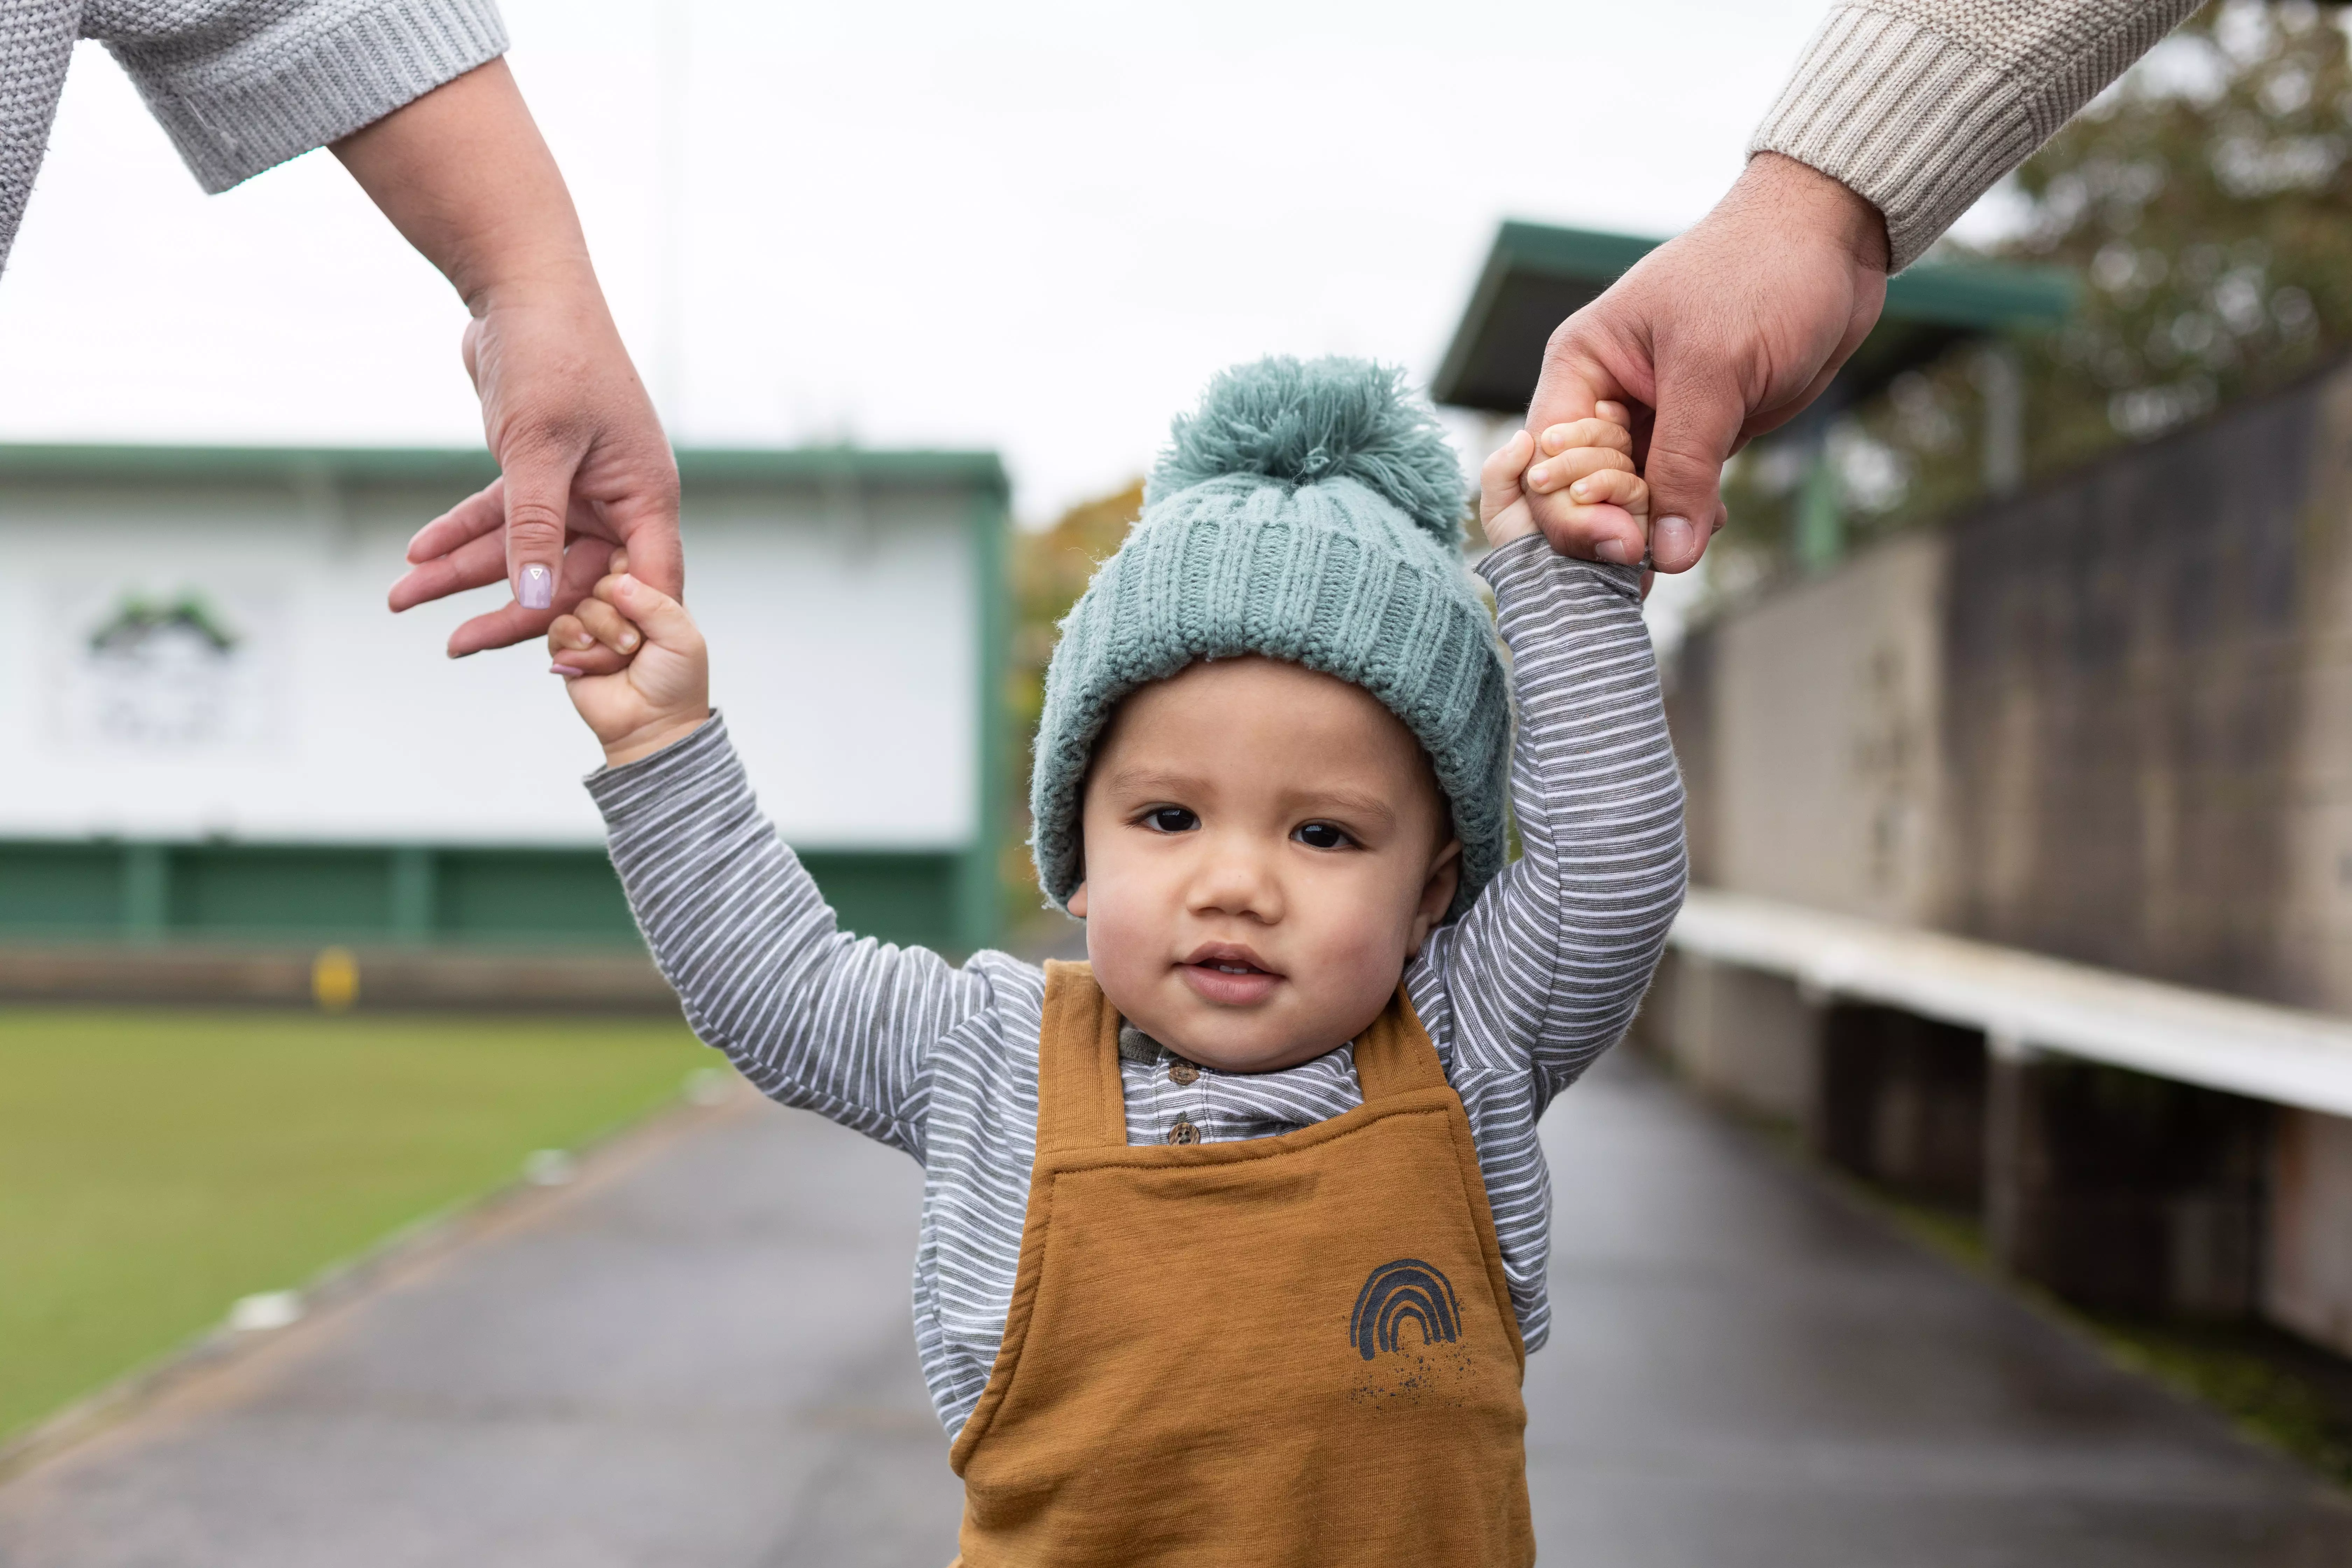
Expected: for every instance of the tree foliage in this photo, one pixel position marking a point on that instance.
(1049, 570)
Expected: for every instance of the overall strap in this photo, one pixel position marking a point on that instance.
(1080, 1101)
(1395, 1056)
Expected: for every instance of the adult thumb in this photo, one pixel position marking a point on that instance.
(539, 497)
(1697, 426)
(1574, 377)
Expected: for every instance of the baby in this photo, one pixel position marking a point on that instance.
(1235, 1237)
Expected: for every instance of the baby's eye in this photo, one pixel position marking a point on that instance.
(1321, 836)
(1171, 819)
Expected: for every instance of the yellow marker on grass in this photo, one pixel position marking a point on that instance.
(335, 979)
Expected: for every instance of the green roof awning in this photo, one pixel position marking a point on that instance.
(699, 468)
(1536, 276)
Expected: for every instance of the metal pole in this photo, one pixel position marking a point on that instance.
(675, 52)
(2003, 383)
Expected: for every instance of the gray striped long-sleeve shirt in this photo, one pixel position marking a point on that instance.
(1520, 994)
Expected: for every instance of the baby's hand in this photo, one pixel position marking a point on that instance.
(662, 694)
(1592, 459)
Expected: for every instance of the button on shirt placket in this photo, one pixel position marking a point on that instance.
(1181, 1075)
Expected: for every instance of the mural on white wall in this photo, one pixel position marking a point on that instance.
(188, 671)
(229, 670)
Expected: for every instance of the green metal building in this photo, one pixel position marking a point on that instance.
(219, 734)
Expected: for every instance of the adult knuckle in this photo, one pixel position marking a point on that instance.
(534, 522)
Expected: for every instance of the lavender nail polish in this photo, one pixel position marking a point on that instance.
(566, 670)
(538, 591)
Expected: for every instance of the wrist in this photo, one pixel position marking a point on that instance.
(1800, 198)
(558, 278)
(653, 735)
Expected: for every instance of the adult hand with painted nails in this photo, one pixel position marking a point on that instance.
(463, 172)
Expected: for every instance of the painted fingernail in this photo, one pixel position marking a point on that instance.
(538, 589)
(566, 670)
(1670, 537)
(1612, 551)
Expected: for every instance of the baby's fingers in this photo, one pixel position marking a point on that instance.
(608, 626)
(661, 619)
(1612, 486)
(565, 637)
(1498, 476)
(1604, 432)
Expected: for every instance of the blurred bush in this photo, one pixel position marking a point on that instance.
(1050, 570)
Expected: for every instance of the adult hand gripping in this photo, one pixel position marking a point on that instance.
(1724, 332)
(465, 176)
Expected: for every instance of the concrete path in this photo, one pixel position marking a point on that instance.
(699, 1356)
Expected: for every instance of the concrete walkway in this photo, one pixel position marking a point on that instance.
(698, 1355)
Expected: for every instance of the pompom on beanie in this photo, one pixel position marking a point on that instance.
(1309, 511)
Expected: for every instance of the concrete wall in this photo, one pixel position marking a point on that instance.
(1821, 774)
(1746, 1039)
(2124, 652)
(2312, 937)
(2111, 720)
(2308, 1283)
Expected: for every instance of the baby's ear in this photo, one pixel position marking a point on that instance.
(1437, 892)
(1077, 902)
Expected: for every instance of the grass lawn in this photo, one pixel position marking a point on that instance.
(157, 1165)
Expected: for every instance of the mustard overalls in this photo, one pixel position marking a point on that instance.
(1283, 1351)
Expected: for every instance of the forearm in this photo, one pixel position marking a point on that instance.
(1567, 937)
(465, 176)
(812, 1015)
(1919, 106)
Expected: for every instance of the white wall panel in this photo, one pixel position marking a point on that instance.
(843, 637)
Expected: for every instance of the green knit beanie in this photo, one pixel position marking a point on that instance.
(1311, 512)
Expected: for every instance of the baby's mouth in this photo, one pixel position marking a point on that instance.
(1229, 974)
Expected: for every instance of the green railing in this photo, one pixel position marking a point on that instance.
(78, 891)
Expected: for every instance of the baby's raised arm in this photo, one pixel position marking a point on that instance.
(1557, 949)
(813, 1015)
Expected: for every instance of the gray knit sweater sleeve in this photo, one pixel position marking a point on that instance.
(241, 84)
(238, 85)
(1919, 106)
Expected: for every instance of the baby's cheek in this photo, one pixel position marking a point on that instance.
(1356, 969)
(1126, 939)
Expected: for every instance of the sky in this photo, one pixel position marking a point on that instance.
(1032, 227)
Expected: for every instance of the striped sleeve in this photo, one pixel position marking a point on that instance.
(1548, 967)
(813, 1015)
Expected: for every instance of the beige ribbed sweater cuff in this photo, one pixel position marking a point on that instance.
(1919, 106)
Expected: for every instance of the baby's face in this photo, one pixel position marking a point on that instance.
(1265, 848)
